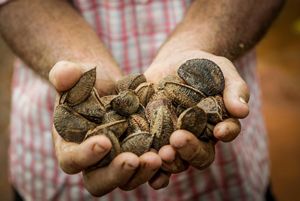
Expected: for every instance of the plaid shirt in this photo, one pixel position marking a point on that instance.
(133, 31)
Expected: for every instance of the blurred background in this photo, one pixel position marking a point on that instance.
(279, 70)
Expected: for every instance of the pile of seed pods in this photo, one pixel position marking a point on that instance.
(143, 115)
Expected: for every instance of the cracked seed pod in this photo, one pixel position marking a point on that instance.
(212, 109)
(144, 91)
(91, 108)
(162, 125)
(115, 149)
(208, 134)
(111, 116)
(126, 103)
(222, 105)
(170, 78)
(204, 75)
(105, 101)
(137, 143)
(117, 127)
(71, 126)
(81, 90)
(183, 94)
(130, 82)
(194, 120)
(137, 123)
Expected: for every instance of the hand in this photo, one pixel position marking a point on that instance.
(127, 170)
(236, 96)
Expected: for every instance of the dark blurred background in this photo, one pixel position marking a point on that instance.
(279, 70)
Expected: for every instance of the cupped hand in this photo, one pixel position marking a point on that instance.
(126, 171)
(236, 95)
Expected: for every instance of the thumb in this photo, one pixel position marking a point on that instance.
(236, 92)
(64, 75)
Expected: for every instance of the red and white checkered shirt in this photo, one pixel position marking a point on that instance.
(132, 30)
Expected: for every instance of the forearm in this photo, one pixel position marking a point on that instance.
(45, 32)
(224, 27)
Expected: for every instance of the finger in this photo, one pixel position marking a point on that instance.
(149, 164)
(64, 75)
(197, 153)
(171, 160)
(74, 157)
(101, 181)
(227, 130)
(159, 180)
(236, 92)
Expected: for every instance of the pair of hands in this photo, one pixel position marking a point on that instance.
(127, 171)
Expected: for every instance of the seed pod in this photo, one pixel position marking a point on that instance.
(144, 91)
(137, 123)
(71, 126)
(126, 103)
(182, 94)
(91, 108)
(170, 78)
(162, 125)
(111, 116)
(82, 89)
(115, 149)
(222, 105)
(117, 127)
(137, 143)
(212, 109)
(130, 82)
(194, 120)
(105, 101)
(153, 105)
(208, 134)
(179, 109)
(204, 75)
(158, 95)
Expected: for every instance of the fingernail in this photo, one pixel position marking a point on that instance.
(242, 100)
(128, 165)
(98, 149)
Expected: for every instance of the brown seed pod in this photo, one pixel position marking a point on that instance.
(170, 78)
(111, 116)
(91, 108)
(82, 89)
(117, 127)
(194, 120)
(158, 95)
(162, 125)
(204, 75)
(182, 94)
(208, 134)
(179, 109)
(126, 103)
(137, 123)
(144, 91)
(137, 143)
(222, 105)
(71, 126)
(212, 109)
(105, 101)
(153, 105)
(130, 82)
(115, 149)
